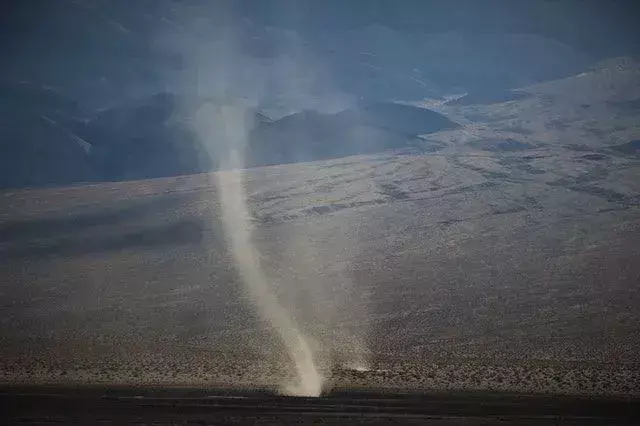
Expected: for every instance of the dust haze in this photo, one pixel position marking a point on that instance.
(290, 290)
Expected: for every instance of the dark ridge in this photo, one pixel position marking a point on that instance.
(405, 119)
(310, 135)
(304, 136)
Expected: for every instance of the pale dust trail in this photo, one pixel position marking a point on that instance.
(231, 127)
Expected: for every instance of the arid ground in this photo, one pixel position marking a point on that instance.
(502, 255)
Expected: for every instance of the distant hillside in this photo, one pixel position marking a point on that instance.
(309, 135)
(593, 110)
(381, 63)
(47, 140)
(148, 138)
(404, 119)
(37, 143)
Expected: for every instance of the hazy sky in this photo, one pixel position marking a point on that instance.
(81, 43)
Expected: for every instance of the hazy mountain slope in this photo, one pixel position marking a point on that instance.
(380, 63)
(367, 128)
(145, 139)
(591, 110)
(38, 144)
(153, 137)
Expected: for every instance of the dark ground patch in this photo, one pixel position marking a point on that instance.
(427, 145)
(522, 164)
(393, 192)
(183, 232)
(41, 228)
(213, 406)
(632, 106)
(528, 168)
(578, 148)
(504, 145)
(583, 185)
(631, 148)
(594, 157)
(515, 129)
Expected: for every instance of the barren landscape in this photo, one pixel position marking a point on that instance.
(501, 255)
